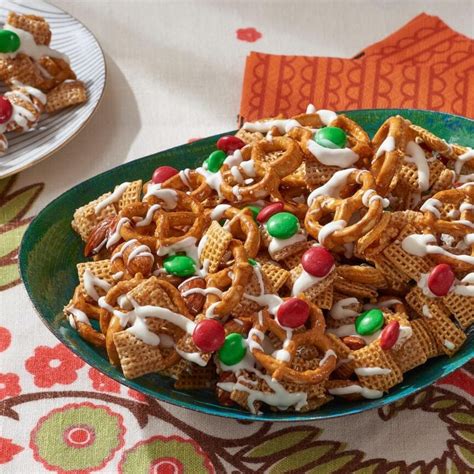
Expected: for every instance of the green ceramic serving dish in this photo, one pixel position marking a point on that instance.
(50, 250)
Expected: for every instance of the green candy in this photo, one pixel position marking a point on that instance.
(233, 350)
(215, 160)
(282, 225)
(255, 210)
(9, 41)
(331, 137)
(369, 322)
(252, 262)
(179, 265)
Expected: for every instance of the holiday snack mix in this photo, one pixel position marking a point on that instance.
(40, 78)
(300, 262)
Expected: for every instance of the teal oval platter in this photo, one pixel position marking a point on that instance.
(50, 250)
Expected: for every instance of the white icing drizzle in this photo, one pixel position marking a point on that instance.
(416, 155)
(117, 276)
(370, 371)
(349, 330)
(432, 205)
(306, 280)
(185, 178)
(387, 146)
(329, 228)
(187, 245)
(114, 197)
(202, 291)
(115, 236)
(365, 392)
(341, 310)
(339, 157)
(424, 244)
(29, 47)
(283, 125)
(333, 187)
(249, 168)
(236, 192)
(382, 304)
(462, 159)
(449, 345)
(404, 334)
(237, 175)
(466, 286)
(371, 195)
(277, 245)
(423, 285)
(218, 212)
(140, 251)
(326, 116)
(194, 357)
(327, 354)
(168, 196)
(426, 311)
(149, 216)
(91, 282)
(77, 315)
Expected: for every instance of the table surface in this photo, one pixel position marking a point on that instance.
(174, 73)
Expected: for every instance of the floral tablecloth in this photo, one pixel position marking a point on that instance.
(175, 71)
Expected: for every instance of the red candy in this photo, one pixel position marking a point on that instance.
(229, 144)
(163, 173)
(293, 313)
(268, 212)
(389, 335)
(6, 109)
(317, 261)
(209, 335)
(441, 279)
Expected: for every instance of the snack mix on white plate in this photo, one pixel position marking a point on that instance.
(299, 262)
(40, 78)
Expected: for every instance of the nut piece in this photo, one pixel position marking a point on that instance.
(194, 301)
(354, 342)
(98, 236)
(133, 257)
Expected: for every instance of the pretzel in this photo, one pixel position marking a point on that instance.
(314, 336)
(189, 180)
(343, 210)
(386, 165)
(243, 226)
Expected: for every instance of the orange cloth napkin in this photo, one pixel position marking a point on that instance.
(423, 65)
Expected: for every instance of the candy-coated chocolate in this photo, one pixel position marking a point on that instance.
(209, 335)
(317, 261)
(331, 137)
(215, 160)
(179, 265)
(389, 335)
(255, 210)
(9, 41)
(441, 279)
(283, 225)
(233, 350)
(229, 144)
(163, 173)
(293, 313)
(252, 262)
(268, 211)
(6, 109)
(369, 322)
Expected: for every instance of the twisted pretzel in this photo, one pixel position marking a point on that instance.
(314, 336)
(243, 226)
(343, 210)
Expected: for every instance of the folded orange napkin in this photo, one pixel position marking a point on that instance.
(423, 65)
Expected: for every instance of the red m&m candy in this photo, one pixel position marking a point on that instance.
(209, 335)
(6, 109)
(163, 173)
(229, 144)
(317, 261)
(293, 313)
(268, 211)
(441, 279)
(389, 335)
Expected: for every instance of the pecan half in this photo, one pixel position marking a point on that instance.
(98, 236)
(354, 342)
(194, 301)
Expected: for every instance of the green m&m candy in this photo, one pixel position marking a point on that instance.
(233, 350)
(331, 137)
(369, 322)
(252, 262)
(179, 265)
(282, 225)
(255, 210)
(215, 160)
(9, 41)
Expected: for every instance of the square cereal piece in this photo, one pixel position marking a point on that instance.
(132, 194)
(325, 299)
(35, 25)
(274, 272)
(65, 95)
(310, 286)
(196, 377)
(462, 308)
(188, 351)
(351, 288)
(396, 280)
(95, 278)
(422, 330)
(316, 173)
(345, 365)
(291, 261)
(136, 357)
(86, 217)
(280, 249)
(380, 361)
(215, 247)
(410, 265)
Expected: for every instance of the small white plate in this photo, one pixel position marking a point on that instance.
(71, 37)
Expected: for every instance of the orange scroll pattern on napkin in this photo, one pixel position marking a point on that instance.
(424, 65)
